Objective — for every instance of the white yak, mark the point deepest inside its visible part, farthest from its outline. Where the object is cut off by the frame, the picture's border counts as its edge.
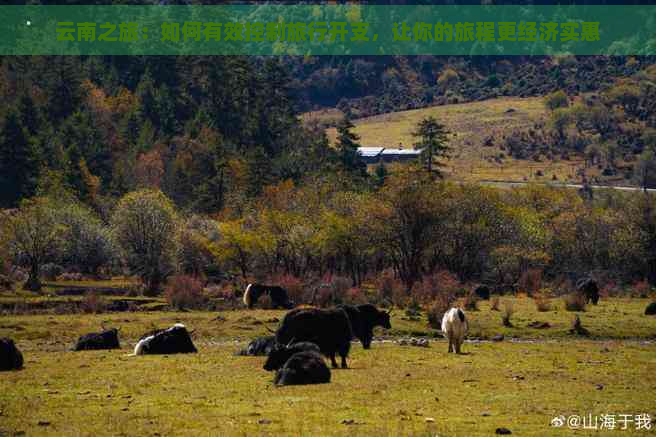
(454, 326)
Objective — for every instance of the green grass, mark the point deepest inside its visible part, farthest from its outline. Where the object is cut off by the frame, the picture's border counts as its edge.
(389, 390)
(472, 123)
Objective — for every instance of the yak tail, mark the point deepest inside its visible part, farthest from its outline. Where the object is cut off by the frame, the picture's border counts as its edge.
(247, 296)
(461, 315)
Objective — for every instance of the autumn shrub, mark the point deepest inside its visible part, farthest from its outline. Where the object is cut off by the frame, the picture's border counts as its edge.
(184, 292)
(442, 282)
(436, 310)
(93, 303)
(542, 303)
(470, 302)
(575, 302)
(387, 285)
(494, 304)
(355, 296)
(331, 291)
(609, 289)
(530, 281)
(296, 289)
(641, 289)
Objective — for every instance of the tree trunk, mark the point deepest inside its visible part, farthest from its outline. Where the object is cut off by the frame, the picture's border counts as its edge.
(33, 283)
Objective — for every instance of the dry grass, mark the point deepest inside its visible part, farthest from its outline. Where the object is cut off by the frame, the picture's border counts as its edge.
(389, 390)
(542, 303)
(472, 123)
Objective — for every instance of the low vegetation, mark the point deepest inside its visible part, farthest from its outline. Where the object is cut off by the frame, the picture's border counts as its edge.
(106, 392)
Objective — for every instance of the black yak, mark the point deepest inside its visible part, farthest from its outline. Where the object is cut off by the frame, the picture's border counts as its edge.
(107, 339)
(651, 309)
(261, 346)
(10, 357)
(330, 329)
(278, 295)
(589, 288)
(174, 340)
(281, 353)
(483, 292)
(303, 368)
(364, 318)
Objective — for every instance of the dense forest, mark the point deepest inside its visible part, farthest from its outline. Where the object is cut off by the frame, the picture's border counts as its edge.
(155, 166)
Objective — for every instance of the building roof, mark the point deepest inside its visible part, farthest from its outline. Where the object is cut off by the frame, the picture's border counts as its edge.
(396, 151)
(370, 151)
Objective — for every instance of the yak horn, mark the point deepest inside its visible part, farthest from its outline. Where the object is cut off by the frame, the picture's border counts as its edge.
(291, 342)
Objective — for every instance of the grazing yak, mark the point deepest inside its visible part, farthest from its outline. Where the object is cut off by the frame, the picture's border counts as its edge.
(10, 357)
(278, 295)
(364, 318)
(261, 346)
(483, 292)
(107, 339)
(454, 326)
(303, 368)
(589, 288)
(330, 329)
(174, 340)
(281, 353)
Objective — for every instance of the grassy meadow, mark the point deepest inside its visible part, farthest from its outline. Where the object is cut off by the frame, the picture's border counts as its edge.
(471, 124)
(520, 383)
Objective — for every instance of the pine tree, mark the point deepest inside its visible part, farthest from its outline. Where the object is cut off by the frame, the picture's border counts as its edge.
(18, 162)
(347, 146)
(433, 138)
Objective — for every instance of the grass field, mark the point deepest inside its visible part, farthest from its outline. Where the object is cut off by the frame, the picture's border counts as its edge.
(518, 384)
(471, 124)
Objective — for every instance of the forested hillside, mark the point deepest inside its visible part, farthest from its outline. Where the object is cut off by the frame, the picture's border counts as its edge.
(204, 129)
(379, 84)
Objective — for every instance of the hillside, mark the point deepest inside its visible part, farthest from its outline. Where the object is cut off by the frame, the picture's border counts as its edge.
(472, 124)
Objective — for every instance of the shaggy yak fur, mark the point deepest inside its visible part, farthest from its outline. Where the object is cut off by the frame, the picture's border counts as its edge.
(589, 288)
(330, 329)
(10, 357)
(483, 292)
(454, 327)
(174, 340)
(108, 339)
(278, 295)
(281, 353)
(261, 346)
(303, 368)
(364, 318)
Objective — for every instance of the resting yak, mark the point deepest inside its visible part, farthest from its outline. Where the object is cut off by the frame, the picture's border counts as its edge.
(303, 368)
(364, 318)
(589, 288)
(330, 329)
(261, 346)
(278, 295)
(281, 353)
(174, 340)
(10, 357)
(107, 339)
